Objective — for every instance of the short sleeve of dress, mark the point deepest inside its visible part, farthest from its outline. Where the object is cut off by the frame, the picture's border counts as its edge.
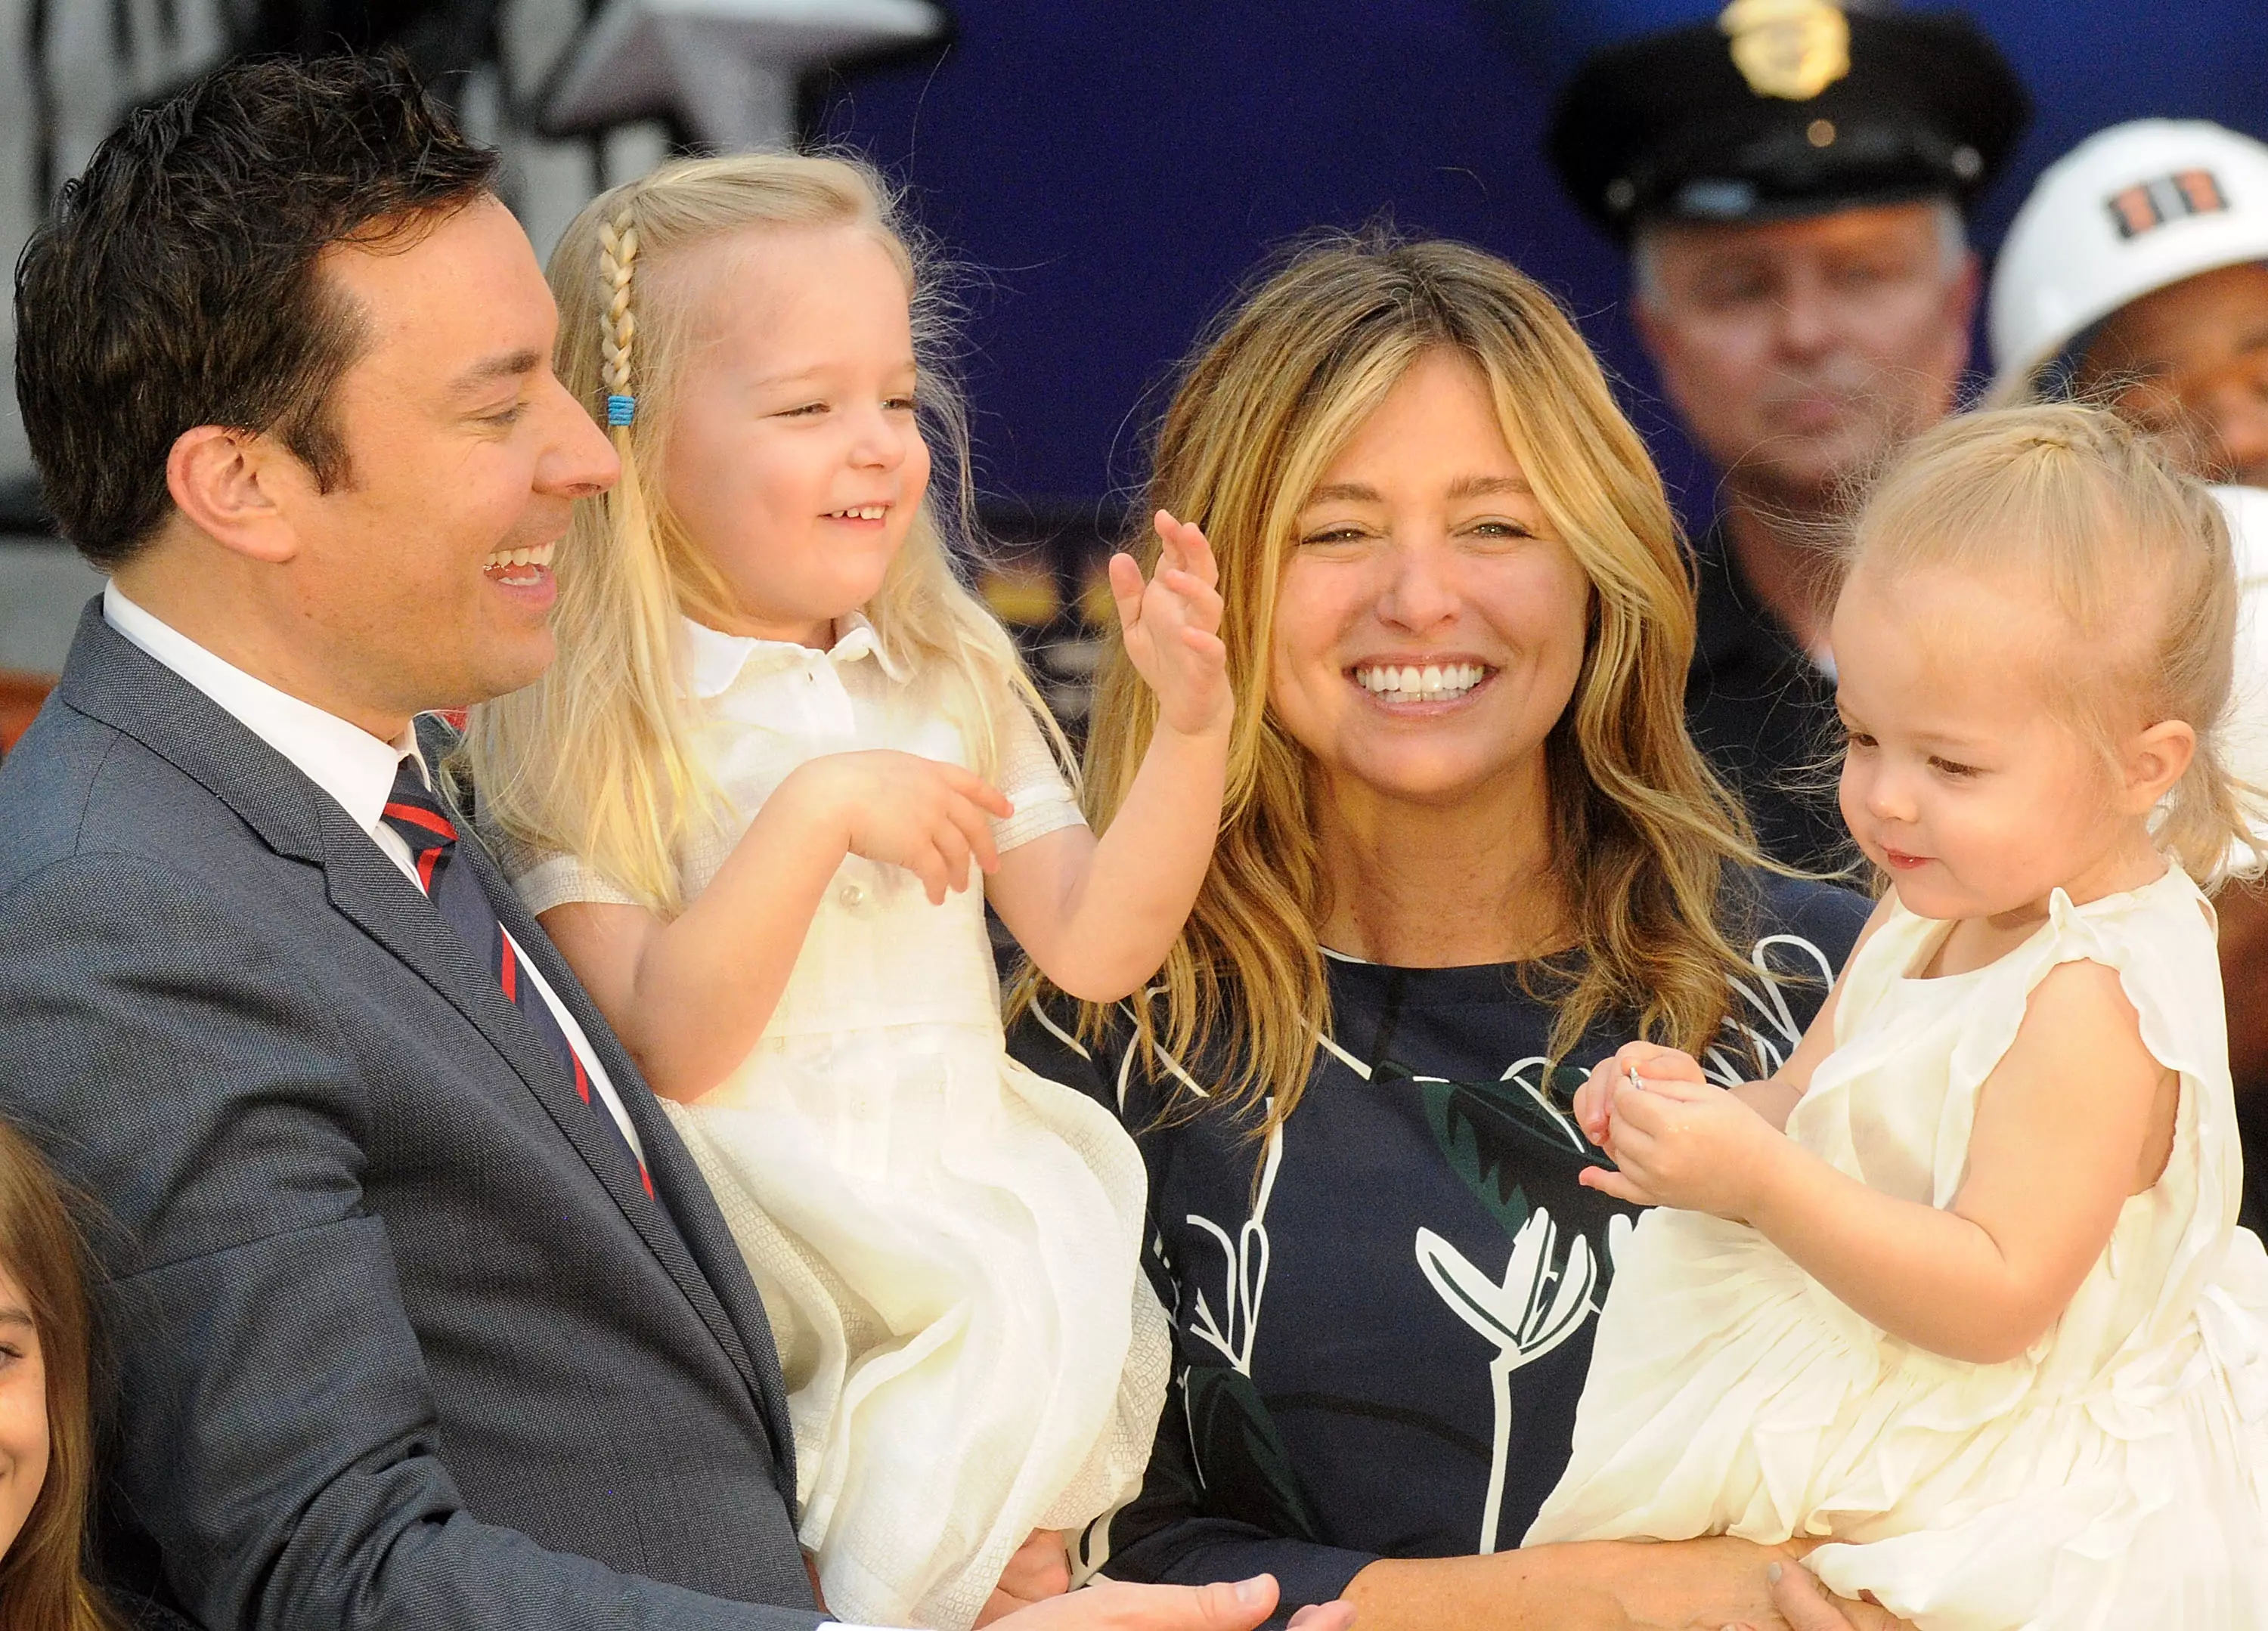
(544, 879)
(1031, 782)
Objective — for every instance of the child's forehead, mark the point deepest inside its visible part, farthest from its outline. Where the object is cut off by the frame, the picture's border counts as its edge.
(1983, 648)
(768, 278)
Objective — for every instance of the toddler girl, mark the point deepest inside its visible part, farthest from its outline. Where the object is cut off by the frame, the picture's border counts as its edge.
(779, 746)
(1960, 1288)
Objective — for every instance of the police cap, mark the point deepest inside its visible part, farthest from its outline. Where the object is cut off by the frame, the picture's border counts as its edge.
(1776, 108)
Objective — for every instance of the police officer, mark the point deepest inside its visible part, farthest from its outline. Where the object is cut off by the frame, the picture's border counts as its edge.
(1790, 181)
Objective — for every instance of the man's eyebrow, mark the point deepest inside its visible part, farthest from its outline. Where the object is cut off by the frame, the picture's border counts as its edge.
(490, 369)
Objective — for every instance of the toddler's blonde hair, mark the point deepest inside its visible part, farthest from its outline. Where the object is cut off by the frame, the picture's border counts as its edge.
(2133, 553)
(594, 760)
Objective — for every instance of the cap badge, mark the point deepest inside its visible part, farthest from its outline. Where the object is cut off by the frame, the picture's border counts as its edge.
(2146, 206)
(1793, 49)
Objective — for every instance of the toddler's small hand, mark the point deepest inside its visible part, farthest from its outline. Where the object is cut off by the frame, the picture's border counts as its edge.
(922, 814)
(1172, 627)
(1632, 1061)
(1684, 1143)
(1595, 1098)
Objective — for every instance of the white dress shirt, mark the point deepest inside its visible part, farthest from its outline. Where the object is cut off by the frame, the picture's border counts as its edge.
(346, 762)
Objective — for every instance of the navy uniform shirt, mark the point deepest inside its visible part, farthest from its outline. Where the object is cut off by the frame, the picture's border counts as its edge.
(1763, 714)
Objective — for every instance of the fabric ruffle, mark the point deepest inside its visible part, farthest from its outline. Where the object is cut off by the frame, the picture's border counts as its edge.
(970, 1349)
(2110, 1476)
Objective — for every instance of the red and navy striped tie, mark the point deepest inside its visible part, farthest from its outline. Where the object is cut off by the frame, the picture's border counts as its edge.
(414, 812)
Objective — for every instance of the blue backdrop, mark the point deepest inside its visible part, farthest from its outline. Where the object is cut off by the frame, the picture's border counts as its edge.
(1112, 172)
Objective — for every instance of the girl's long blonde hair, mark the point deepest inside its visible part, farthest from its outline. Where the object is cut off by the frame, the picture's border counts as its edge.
(595, 759)
(1643, 833)
(2095, 514)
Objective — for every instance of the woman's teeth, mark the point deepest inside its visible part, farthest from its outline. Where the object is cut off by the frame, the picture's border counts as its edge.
(859, 512)
(513, 564)
(1432, 683)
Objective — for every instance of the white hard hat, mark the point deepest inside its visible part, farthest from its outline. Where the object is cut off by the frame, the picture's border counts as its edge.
(2129, 211)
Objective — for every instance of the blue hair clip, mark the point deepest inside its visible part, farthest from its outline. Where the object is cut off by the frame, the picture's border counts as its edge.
(620, 409)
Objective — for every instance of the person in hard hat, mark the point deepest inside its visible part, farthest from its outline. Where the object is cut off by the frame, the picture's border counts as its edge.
(1790, 181)
(2136, 274)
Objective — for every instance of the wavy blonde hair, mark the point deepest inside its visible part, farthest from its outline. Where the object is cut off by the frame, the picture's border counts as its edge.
(2095, 514)
(594, 760)
(1642, 832)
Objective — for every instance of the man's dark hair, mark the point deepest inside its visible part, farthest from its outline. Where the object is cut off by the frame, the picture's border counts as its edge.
(177, 283)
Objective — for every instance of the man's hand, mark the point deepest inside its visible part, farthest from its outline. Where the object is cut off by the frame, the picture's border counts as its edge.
(1039, 1569)
(1806, 1606)
(1112, 1606)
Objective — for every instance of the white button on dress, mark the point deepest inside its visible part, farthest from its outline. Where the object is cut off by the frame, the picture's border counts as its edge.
(947, 1244)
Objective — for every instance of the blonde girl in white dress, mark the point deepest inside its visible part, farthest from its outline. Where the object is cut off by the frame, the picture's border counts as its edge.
(783, 760)
(1960, 1289)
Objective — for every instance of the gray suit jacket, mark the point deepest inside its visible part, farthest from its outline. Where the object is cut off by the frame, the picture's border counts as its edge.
(401, 1341)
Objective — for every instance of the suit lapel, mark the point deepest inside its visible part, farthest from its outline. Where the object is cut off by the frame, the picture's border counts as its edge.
(109, 678)
(699, 1251)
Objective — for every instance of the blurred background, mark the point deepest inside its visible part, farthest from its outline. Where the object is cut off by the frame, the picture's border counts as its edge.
(1108, 174)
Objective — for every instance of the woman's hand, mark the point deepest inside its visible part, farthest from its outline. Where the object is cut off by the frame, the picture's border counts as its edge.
(1678, 1140)
(1172, 628)
(1806, 1605)
(1039, 1569)
(922, 814)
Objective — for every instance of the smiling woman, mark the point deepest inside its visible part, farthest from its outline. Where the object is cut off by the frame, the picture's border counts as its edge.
(1467, 849)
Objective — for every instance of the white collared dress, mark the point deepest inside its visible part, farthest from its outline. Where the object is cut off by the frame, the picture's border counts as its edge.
(947, 1244)
(2111, 1476)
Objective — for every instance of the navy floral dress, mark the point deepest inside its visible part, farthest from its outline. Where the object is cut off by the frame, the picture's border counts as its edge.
(1382, 1317)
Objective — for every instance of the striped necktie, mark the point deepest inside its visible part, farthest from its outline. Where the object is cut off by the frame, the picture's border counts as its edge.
(413, 812)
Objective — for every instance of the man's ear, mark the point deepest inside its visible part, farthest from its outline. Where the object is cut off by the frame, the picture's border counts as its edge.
(226, 484)
(2155, 759)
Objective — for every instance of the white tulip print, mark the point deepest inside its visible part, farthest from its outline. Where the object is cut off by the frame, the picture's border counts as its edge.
(1247, 1260)
(1536, 1307)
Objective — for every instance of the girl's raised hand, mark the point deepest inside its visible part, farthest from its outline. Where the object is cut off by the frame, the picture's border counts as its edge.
(1172, 628)
(922, 814)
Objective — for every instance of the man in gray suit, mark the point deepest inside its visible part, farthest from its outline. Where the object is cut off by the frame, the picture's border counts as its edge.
(423, 1317)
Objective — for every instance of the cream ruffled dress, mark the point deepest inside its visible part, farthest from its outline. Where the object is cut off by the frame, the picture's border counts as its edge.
(2116, 1475)
(949, 1245)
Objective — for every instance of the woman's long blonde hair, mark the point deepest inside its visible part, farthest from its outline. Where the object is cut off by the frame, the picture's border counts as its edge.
(2095, 515)
(594, 760)
(1642, 833)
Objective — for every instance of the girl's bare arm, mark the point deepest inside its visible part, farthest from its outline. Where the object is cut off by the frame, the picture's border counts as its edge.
(1098, 915)
(2077, 1116)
